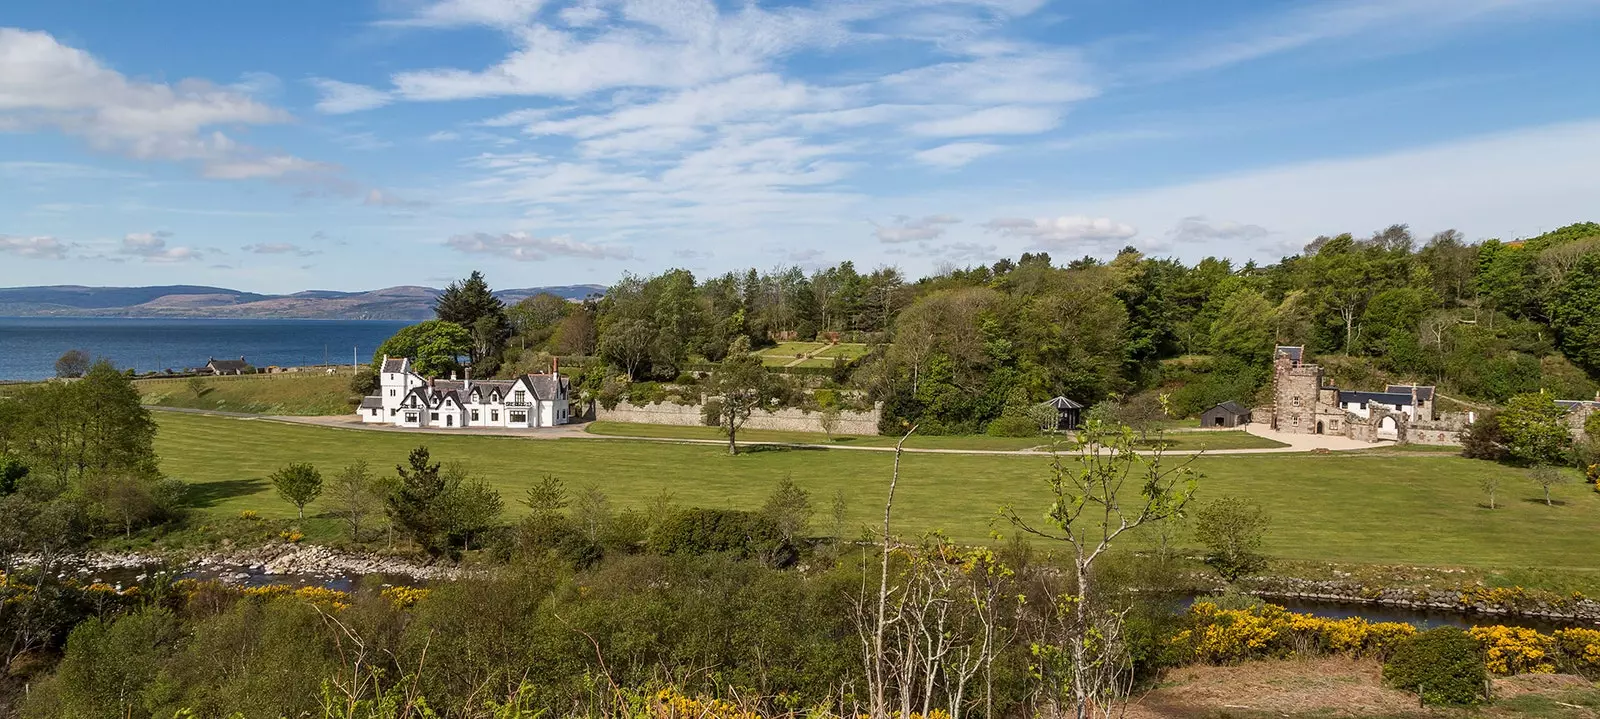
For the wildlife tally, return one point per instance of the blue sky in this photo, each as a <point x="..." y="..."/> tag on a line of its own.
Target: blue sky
<point x="354" y="145"/>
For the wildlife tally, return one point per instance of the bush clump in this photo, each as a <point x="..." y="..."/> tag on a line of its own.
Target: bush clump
<point x="1444" y="666"/>
<point x="1013" y="427"/>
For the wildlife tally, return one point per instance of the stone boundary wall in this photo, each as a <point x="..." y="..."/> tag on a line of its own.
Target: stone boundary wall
<point x="788" y="419"/>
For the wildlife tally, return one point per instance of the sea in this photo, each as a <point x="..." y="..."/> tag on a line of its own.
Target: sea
<point x="29" y="346"/>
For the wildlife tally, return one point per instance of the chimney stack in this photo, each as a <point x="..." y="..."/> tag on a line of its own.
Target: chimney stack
<point x="466" y="385"/>
<point x="555" y="367"/>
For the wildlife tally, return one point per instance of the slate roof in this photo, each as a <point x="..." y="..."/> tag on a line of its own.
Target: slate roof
<point x="1063" y="403"/>
<point x="1572" y="404"/>
<point x="546" y="386"/>
<point x="1397" y="399"/>
<point x="372" y="403"/>
<point x="1294" y="353"/>
<point x="1424" y="392"/>
<point x="1231" y="407"/>
<point x="394" y="364"/>
<point x="227" y="365"/>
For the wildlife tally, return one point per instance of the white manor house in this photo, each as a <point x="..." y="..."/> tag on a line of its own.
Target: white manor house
<point x="407" y="399"/>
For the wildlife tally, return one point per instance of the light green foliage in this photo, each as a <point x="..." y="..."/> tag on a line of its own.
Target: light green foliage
<point x="356" y="494"/>
<point x="1535" y="429"/>
<point x="298" y="484"/>
<point x="434" y="346"/>
<point x="1232" y="530"/>
<point x="741" y="385"/>
<point x="789" y="509"/>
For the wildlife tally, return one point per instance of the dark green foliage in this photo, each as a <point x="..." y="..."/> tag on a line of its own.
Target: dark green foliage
<point x="1443" y="665"/>
<point x="434" y="347"/>
<point x="418" y="507"/>
<point x="1575" y="312"/>
<point x="1013" y="426"/>
<point x="365" y="382"/>
<point x="1484" y="439"/>
<point x="709" y="531"/>
<point x="72" y="363"/>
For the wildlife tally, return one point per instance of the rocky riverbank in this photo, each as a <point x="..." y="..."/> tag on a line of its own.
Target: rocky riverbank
<point x="278" y="562"/>
<point x="1472" y="600"/>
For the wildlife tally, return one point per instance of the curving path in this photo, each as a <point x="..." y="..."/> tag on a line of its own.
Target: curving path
<point x="1295" y="442"/>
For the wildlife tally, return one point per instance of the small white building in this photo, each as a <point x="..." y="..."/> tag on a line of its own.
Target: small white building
<point x="407" y="399"/>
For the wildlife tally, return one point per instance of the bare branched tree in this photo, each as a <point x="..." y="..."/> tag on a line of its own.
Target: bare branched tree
<point x="1108" y="489"/>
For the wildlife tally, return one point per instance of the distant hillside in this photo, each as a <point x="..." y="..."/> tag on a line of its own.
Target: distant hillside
<point x="389" y="303"/>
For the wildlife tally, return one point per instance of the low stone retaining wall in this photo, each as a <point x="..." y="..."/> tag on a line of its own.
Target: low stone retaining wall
<point x="1482" y="601"/>
<point x="788" y="419"/>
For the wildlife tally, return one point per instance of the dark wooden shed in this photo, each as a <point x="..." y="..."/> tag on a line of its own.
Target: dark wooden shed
<point x="1227" y="414"/>
<point x="1070" y="413"/>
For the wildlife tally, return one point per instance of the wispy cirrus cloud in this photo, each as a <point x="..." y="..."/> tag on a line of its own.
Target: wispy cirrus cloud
<point x="278" y="248"/>
<point x="1064" y="232"/>
<point x="906" y="229"/>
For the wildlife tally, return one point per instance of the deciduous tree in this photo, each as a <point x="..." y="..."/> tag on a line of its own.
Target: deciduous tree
<point x="1232" y="530"/>
<point x="72" y="364"/>
<point x="298" y="484"/>
<point x="740" y="386"/>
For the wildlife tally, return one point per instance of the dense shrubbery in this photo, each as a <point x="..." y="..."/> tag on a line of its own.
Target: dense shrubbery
<point x="1444" y="666"/>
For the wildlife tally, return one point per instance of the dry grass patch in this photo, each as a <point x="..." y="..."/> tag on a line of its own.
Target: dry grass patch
<point x="1331" y="687"/>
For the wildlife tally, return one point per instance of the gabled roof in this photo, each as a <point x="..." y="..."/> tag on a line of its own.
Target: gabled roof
<point x="396" y="364"/>
<point x="372" y="403"/>
<point x="227" y="365"/>
<point x="1424" y="392"/>
<point x="1397" y="399"/>
<point x="1231" y="407"/>
<point x="1063" y="403"/>
<point x="546" y="386"/>
<point x="1292" y="352"/>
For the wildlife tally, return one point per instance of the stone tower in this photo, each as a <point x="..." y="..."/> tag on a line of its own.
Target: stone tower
<point x="1296" y="390"/>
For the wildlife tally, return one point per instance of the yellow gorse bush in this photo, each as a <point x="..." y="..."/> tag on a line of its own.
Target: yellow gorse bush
<point x="404" y="597"/>
<point x="1223" y="636"/>
<point x="1581" y="645"/>
<point x="1516" y="650"/>
<point x="671" y="704"/>
<point x="321" y="596"/>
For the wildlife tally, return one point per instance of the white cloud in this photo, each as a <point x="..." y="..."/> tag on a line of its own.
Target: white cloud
<point x="379" y="198"/>
<point x="1198" y="229"/>
<point x="1006" y="120"/>
<point x="1543" y="178"/>
<point x="34" y="248"/>
<point x="339" y="98"/>
<point x="524" y="247"/>
<point x="444" y="136"/>
<point x="955" y="154"/>
<point x="456" y="13"/>
<point x="1063" y="232"/>
<point x="278" y="248"/>
<point x="152" y="247"/>
<point x="906" y="229"/>
<point x="46" y="84"/>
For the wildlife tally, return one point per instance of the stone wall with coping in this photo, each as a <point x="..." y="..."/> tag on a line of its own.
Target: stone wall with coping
<point x="788" y="419"/>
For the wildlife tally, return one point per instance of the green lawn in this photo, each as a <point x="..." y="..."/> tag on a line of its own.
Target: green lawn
<point x="1396" y="509"/>
<point x="290" y="393"/>
<point x="1219" y="439"/>
<point x="628" y="429"/>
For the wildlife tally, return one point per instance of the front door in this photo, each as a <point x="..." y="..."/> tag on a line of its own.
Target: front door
<point x="449" y="420"/>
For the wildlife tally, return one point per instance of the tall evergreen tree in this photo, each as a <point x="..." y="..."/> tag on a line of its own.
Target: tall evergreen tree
<point x="471" y="304"/>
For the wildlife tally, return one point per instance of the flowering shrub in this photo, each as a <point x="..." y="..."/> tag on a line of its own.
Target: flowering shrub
<point x="249" y="514"/>
<point x="1581" y="648"/>
<point x="1230" y="635"/>
<point x="322" y="596"/>
<point x="671" y="704"/>
<point x="404" y="597"/>
<point x="1516" y="650"/>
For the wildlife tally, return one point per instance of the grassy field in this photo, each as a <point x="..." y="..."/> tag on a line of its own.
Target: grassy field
<point x="1184" y="441"/>
<point x="1396" y="509"/>
<point x="814" y="354"/>
<point x="628" y="429"/>
<point x="293" y="393"/>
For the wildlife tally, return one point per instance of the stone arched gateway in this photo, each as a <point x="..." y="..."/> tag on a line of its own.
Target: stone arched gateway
<point x="1388" y="428"/>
